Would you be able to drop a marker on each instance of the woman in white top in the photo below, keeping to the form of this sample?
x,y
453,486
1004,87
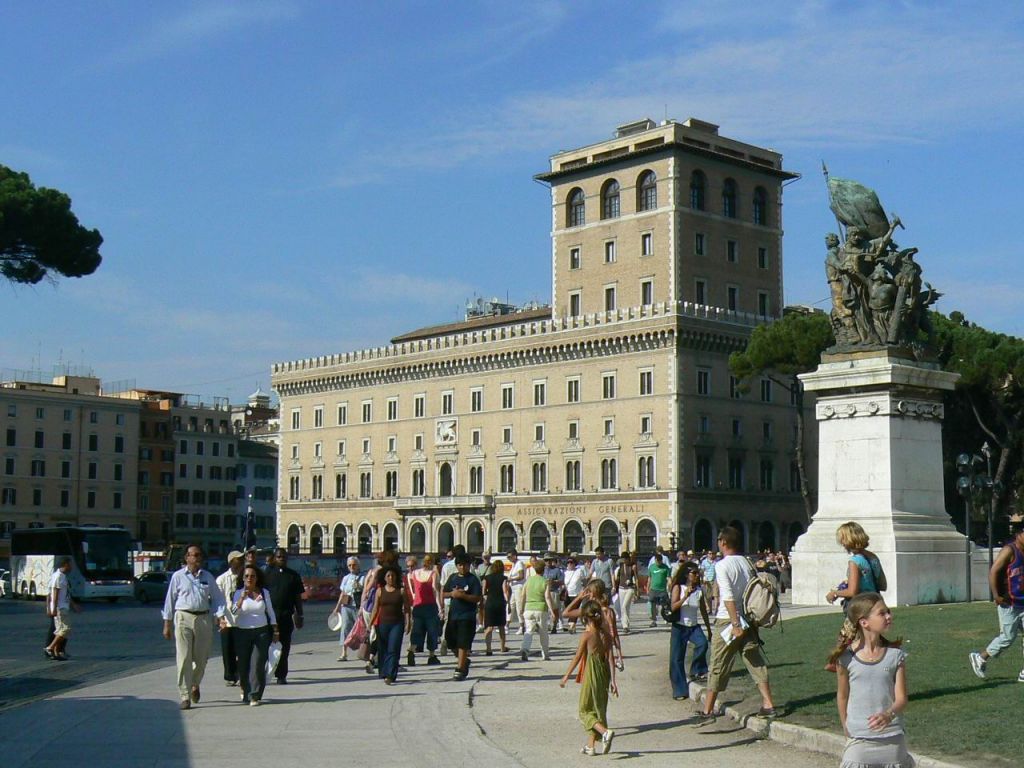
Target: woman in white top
x,y
254,626
686,600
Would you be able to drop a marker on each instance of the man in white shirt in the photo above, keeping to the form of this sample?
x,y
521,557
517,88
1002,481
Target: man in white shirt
x,y
193,601
228,582
732,573
59,607
516,581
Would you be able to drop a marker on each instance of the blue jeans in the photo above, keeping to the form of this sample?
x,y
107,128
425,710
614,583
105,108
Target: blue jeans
x,y
389,645
425,622
681,636
1010,618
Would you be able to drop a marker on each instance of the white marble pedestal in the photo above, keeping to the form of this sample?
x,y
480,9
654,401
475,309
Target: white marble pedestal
x,y
880,464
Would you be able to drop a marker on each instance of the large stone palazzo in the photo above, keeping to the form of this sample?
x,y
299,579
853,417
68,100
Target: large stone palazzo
x,y
880,464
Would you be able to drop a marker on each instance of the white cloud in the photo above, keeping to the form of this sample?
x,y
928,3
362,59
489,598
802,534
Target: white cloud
x,y
875,74
199,24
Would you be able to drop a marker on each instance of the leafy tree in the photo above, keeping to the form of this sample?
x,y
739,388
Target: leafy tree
x,y
780,351
990,392
39,235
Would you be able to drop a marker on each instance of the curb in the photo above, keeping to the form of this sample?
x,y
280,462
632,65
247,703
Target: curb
x,y
801,736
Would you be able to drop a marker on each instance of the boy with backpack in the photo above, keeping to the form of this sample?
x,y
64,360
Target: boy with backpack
x,y
732,633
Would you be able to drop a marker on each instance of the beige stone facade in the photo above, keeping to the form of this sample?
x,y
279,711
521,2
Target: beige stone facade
x,y
608,419
70,456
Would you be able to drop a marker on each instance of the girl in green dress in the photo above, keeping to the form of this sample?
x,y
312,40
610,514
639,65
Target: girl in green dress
x,y
597,674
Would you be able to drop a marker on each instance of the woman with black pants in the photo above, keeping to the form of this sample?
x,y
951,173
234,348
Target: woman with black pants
x,y
254,626
392,618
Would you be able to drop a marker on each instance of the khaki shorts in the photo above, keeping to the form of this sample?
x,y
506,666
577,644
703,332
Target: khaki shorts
x,y
61,627
723,657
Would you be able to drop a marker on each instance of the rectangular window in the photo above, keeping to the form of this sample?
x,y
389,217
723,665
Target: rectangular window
x,y
736,473
609,299
506,435
37,468
762,258
117,499
608,386
417,442
609,427
119,419
37,497
318,450
12,437
507,396
732,253
762,303
734,388
65,441
766,432
419,406
183,447
737,428
646,292
200,448
215,448
538,433
318,416
574,258
392,443
474,439
40,413
476,400
539,393
645,424
341,447
67,414
646,244
703,425
572,390
392,409
65,498
94,417
702,471
118,444
12,410
609,252
65,469
766,390
575,303
90,499
703,381
40,439
199,472
767,475
646,382
366,445
296,418
698,244
367,411
118,473
94,442
732,298
447,403
342,414
9,465
295,451
182,470
574,430
700,291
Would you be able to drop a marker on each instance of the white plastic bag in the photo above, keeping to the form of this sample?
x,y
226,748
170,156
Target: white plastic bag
x,y
273,657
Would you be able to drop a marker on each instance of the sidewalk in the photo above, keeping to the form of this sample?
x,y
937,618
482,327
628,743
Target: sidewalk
x,y
508,714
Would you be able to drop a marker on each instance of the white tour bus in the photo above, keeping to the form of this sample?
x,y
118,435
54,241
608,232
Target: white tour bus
x,y
101,561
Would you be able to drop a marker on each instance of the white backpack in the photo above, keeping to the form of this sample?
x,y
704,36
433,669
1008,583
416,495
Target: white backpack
x,y
760,603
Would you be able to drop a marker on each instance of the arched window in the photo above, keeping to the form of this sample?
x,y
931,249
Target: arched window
x,y
540,537
445,537
293,539
540,477
475,538
316,540
506,537
572,475
609,474
572,537
698,186
647,191
765,536
645,472
608,537
390,536
703,536
796,530
417,538
576,209
445,477
729,199
340,540
610,200
760,206
646,539
340,485
364,539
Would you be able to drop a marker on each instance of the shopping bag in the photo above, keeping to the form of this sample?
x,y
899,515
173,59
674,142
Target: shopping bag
x,y
273,657
358,636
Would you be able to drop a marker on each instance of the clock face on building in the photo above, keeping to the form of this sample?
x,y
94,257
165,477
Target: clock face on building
x,y
446,432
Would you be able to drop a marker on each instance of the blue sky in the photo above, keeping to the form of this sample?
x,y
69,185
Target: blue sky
x,y
282,179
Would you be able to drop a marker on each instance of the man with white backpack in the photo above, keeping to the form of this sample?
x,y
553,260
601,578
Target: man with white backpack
x,y
732,634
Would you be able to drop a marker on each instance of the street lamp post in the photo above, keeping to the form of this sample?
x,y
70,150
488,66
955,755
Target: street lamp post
x,y
973,485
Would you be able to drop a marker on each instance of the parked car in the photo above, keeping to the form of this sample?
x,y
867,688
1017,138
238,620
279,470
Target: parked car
x,y
152,585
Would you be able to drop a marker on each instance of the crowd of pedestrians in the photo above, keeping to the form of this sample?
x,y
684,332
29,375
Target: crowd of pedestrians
x,y
439,607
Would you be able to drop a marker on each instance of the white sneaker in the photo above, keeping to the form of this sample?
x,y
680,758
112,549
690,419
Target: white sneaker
x,y
606,741
978,665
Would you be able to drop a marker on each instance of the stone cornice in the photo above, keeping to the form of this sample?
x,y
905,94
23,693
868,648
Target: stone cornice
x,y
658,326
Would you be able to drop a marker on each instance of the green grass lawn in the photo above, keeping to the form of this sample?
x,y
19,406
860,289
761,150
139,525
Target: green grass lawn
x,y
952,713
